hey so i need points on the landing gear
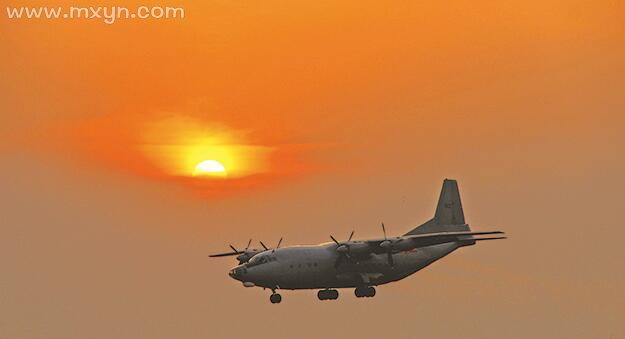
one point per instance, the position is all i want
(362, 292)
(275, 298)
(328, 294)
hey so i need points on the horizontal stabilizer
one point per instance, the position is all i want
(491, 238)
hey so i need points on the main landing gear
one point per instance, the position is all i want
(362, 292)
(328, 294)
(275, 298)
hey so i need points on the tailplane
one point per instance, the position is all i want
(449, 216)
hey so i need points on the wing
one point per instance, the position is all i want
(422, 240)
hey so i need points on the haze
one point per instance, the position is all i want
(366, 107)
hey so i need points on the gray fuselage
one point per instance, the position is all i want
(315, 267)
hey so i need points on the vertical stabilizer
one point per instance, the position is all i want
(449, 216)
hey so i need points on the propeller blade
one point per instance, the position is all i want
(248, 244)
(234, 249)
(350, 236)
(223, 254)
(278, 246)
(263, 245)
(389, 254)
(334, 240)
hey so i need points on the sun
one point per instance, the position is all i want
(210, 167)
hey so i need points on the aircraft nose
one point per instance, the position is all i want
(237, 272)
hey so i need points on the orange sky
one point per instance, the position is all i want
(352, 112)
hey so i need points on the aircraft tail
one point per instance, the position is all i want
(449, 216)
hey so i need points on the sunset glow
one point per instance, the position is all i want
(187, 147)
(132, 150)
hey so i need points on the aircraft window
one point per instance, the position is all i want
(309, 264)
(315, 264)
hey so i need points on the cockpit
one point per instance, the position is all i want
(260, 259)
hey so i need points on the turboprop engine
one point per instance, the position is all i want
(354, 248)
(397, 244)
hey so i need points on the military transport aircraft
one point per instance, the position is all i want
(359, 264)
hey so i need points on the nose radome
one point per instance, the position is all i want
(237, 273)
(234, 274)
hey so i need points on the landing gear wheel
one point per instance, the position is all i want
(366, 291)
(275, 298)
(328, 294)
(370, 292)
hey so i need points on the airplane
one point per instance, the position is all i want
(359, 264)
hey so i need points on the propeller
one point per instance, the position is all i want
(234, 251)
(342, 249)
(242, 256)
(266, 248)
(388, 246)
(277, 246)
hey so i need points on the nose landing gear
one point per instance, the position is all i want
(328, 294)
(362, 292)
(275, 298)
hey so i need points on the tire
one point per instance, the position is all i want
(371, 292)
(362, 292)
(275, 298)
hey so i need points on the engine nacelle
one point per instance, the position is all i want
(386, 244)
(397, 245)
(401, 245)
(342, 248)
(358, 248)
(246, 256)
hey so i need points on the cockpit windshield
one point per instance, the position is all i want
(260, 259)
